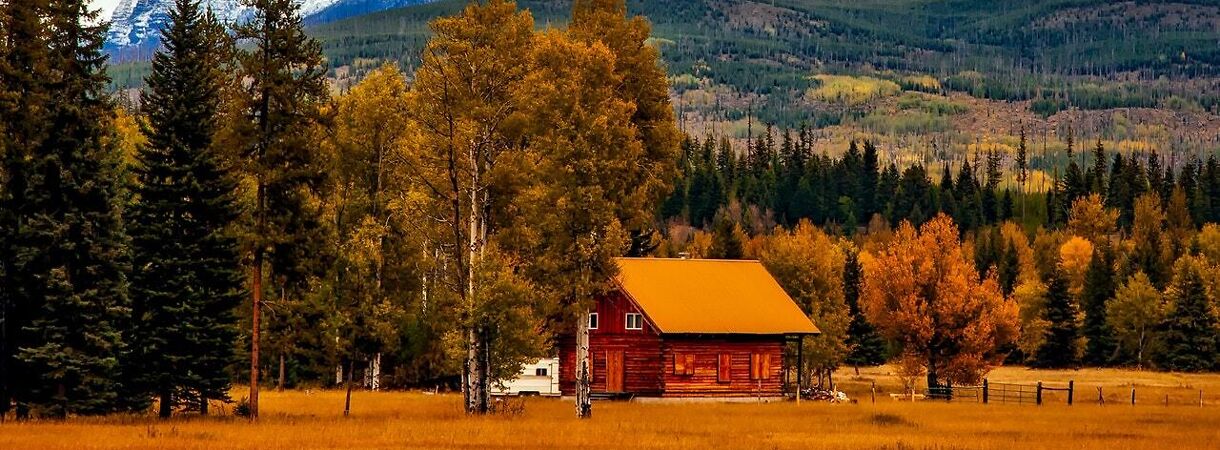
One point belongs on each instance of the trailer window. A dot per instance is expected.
(541, 371)
(635, 321)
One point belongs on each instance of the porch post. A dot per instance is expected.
(800, 362)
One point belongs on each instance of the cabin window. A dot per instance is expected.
(540, 371)
(592, 321)
(635, 321)
(684, 364)
(760, 366)
(723, 369)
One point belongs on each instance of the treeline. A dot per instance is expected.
(243, 223)
(1111, 266)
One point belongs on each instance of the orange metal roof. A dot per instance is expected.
(711, 296)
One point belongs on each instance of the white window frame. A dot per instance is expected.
(639, 318)
(594, 321)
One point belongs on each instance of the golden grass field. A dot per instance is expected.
(297, 420)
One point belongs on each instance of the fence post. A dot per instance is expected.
(874, 392)
(1100, 400)
(1071, 389)
(1200, 398)
(986, 389)
(1166, 399)
(1039, 393)
(1132, 395)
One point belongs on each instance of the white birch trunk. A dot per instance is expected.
(584, 399)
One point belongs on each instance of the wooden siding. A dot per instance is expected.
(641, 350)
(648, 359)
(706, 381)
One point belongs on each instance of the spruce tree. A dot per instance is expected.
(188, 283)
(1060, 347)
(1099, 286)
(69, 252)
(867, 347)
(24, 94)
(1189, 335)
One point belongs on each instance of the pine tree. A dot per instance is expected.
(282, 72)
(1060, 347)
(867, 346)
(1099, 286)
(1009, 268)
(1189, 335)
(69, 252)
(1096, 176)
(188, 283)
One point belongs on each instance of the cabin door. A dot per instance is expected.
(614, 371)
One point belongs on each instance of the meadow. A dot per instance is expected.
(299, 420)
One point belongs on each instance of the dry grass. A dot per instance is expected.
(297, 420)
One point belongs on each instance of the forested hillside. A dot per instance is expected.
(911, 75)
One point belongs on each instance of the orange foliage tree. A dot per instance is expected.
(923, 294)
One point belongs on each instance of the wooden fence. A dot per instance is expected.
(1000, 392)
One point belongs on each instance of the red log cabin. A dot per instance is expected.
(688, 328)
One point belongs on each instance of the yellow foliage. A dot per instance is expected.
(925, 82)
(852, 90)
(1074, 258)
(1090, 219)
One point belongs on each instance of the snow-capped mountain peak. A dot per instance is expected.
(137, 23)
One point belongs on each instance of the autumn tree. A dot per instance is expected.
(1134, 314)
(809, 265)
(638, 83)
(377, 272)
(283, 85)
(465, 92)
(925, 295)
(1090, 219)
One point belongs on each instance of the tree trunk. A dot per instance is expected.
(203, 406)
(256, 287)
(347, 404)
(375, 379)
(584, 398)
(279, 385)
(167, 404)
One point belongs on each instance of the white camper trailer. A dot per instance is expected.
(538, 378)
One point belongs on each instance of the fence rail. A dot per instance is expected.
(1000, 392)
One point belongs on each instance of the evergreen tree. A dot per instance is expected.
(726, 242)
(68, 259)
(188, 283)
(1009, 269)
(1189, 335)
(283, 83)
(1060, 347)
(1096, 176)
(870, 173)
(867, 346)
(24, 97)
(968, 210)
(1099, 287)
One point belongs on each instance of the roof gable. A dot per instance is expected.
(711, 296)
